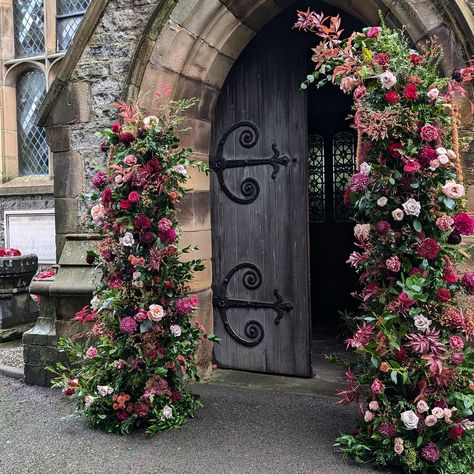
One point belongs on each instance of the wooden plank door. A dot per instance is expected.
(259, 208)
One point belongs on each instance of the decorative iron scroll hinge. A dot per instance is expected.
(252, 280)
(248, 138)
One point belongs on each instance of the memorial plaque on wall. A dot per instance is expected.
(32, 232)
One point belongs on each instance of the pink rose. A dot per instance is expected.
(431, 420)
(453, 190)
(438, 412)
(130, 160)
(368, 416)
(429, 133)
(373, 405)
(373, 32)
(411, 167)
(422, 406)
(98, 212)
(156, 313)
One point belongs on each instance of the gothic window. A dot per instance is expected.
(32, 148)
(69, 14)
(343, 155)
(29, 28)
(316, 178)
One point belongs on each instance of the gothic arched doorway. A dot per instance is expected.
(279, 230)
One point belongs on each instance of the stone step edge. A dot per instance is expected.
(11, 372)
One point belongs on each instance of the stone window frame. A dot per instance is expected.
(11, 68)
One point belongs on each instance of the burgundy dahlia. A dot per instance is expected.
(428, 249)
(430, 452)
(127, 138)
(388, 429)
(382, 227)
(128, 325)
(167, 237)
(359, 182)
(142, 222)
(456, 432)
(468, 282)
(393, 149)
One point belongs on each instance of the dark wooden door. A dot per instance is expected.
(259, 208)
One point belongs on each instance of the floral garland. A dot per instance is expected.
(414, 369)
(132, 370)
(9, 252)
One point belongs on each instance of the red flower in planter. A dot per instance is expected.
(411, 92)
(391, 97)
(125, 204)
(142, 222)
(428, 249)
(116, 127)
(443, 295)
(416, 59)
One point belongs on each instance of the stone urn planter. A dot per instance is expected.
(16, 304)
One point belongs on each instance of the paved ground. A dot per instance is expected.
(11, 354)
(238, 431)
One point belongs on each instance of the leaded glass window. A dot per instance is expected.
(343, 155)
(69, 14)
(316, 178)
(29, 27)
(32, 148)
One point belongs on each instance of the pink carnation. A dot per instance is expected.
(91, 352)
(444, 223)
(164, 224)
(359, 182)
(377, 386)
(393, 264)
(456, 343)
(464, 223)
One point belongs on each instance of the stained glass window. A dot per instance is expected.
(32, 148)
(29, 27)
(343, 155)
(316, 178)
(69, 14)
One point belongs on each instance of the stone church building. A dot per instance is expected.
(268, 221)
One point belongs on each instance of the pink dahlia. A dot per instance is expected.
(464, 223)
(374, 31)
(186, 305)
(142, 222)
(359, 182)
(468, 282)
(430, 452)
(453, 317)
(429, 133)
(128, 325)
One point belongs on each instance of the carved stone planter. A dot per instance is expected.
(16, 305)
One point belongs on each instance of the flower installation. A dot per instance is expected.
(131, 369)
(9, 252)
(414, 374)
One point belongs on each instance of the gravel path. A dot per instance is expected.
(237, 431)
(11, 354)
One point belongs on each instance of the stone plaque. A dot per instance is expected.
(32, 232)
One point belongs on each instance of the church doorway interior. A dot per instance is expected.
(281, 233)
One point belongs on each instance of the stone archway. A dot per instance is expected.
(197, 46)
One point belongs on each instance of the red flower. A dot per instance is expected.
(464, 223)
(116, 127)
(393, 149)
(427, 155)
(411, 167)
(468, 282)
(429, 133)
(142, 222)
(127, 138)
(134, 197)
(456, 432)
(416, 59)
(383, 227)
(106, 196)
(391, 97)
(411, 92)
(168, 236)
(147, 237)
(383, 59)
(405, 300)
(429, 249)
(443, 295)
(125, 204)
(2, 252)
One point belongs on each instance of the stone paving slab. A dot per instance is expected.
(237, 431)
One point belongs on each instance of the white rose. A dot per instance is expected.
(438, 412)
(422, 323)
(433, 93)
(365, 168)
(166, 413)
(382, 202)
(150, 121)
(180, 169)
(88, 400)
(443, 159)
(409, 419)
(94, 304)
(104, 390)
(127, 240)
(451, 154)
(175, 330)
(136, 275)
(448, 413)
(388, 79)
(412, 207)
(156, 312)
(398, 214)
(422, 406)
(441, 151)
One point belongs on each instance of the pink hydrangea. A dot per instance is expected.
(359, 182)
(128, 325)
(393, 264)
(444, 223)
